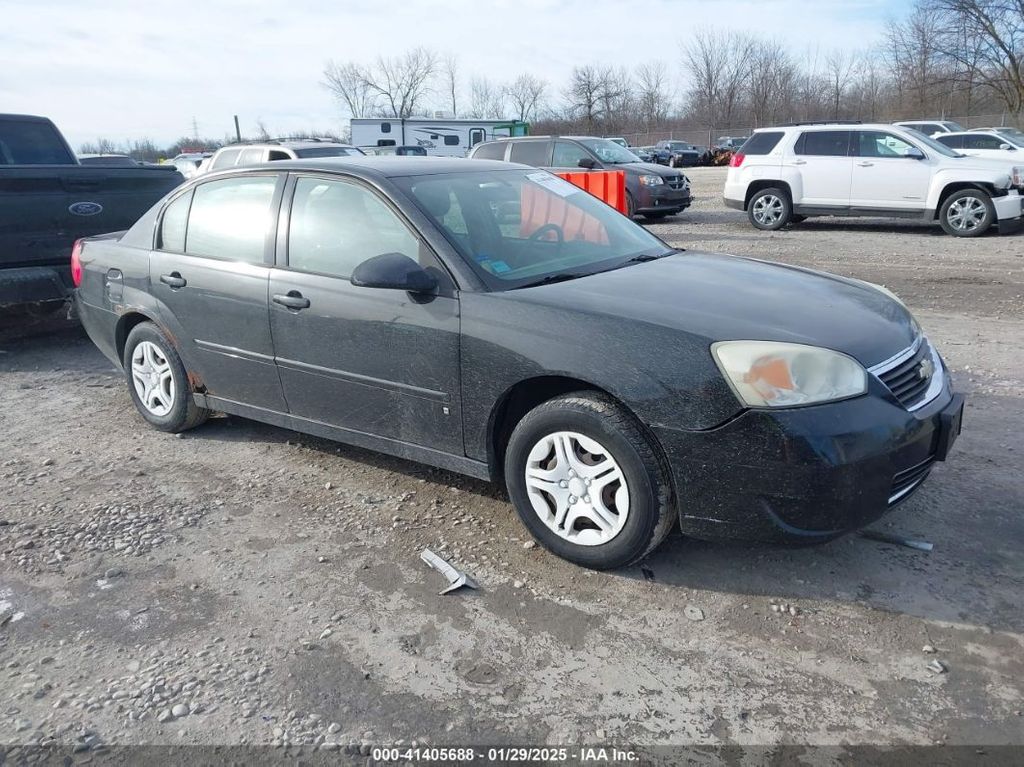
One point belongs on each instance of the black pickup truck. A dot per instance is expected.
(48, 200)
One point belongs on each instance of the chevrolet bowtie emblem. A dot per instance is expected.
(926, 369)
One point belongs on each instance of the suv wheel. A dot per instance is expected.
(769, 209)
(587, 481)
(967, 213)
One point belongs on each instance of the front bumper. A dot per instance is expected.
(663, 199)
(1009, 212)
(807, 474)
(34, 284)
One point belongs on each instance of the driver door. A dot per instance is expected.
(376, 361)
(884, 176)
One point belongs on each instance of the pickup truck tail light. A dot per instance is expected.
(737, 160)
(76, 263)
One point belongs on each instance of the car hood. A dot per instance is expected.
(721, 298)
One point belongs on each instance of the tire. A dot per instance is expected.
(967, 213)
(656, 216)
(769, 209)
(630, 206)
(609, 443)
(171, 407)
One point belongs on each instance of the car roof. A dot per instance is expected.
(297, 144)
(376, 166)
(827, 126)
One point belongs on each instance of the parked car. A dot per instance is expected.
(677, 154)
(395, 151)
(497, 321)
(115, 160)
(782, 175)
(620, 141)
(48, 199)
(189, 163)
(931, 127)
(240, 155)
(1013, 133)
(651, 191)
(645, 153)
(730, 142)
(989, 144)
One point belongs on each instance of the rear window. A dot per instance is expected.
(225, 159)
(825, 143)
(536, 153)
(28, 142)
(493, 151)
(761, 143)
(329, 151)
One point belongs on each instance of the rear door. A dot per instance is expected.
(380, 362)
(821, 160)
(535, 152)
(884, 177)
(210, 271)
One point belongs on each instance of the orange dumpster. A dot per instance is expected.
(609, 186)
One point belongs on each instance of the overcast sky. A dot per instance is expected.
(124, 69)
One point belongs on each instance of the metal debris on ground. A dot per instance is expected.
(456, 578)
(693, 613)
(899, 540)
(937, 667)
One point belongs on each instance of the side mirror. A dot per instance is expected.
(913, 153)
(393, 271)
(1008, 148)
(587, 162)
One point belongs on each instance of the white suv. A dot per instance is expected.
(782, 175)
(990, 144)
(235, 155)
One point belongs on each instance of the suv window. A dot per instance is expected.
(277, 154)
(494, 150)
(172, 225)
(250, 157)
(568, 155)
(881, 144)
(761, 143)
(982, 141)
(225, 159)
(28, 142)
(336, 225)
(824, 143)
(929, 128)
(953, 142)
(230, 218)
(536, 153)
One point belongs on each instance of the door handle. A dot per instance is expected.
(865, 164)
(799, 162)
(173, 280)
(293, 300)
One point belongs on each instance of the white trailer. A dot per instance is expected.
(445, 138)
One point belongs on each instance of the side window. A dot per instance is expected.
(535, 153)
(981, 142)
(493, 151)
(336, 225)
(225, 159)
(883, 145)
(251, 157)
(825, 143)
(230, 218)
(759, 143)
(172, 225)
(930, 128)
(567, 155)
(385, 141)
(277, 154)
(953, 142)
(476, 135)
(451, 140)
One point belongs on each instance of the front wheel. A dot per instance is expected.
(587, 481)
(157, 381)
(630, 205)
(967, 213)
(769, 209)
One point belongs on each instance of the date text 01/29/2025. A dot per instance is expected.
(503, 754)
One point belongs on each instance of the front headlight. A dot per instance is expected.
(651, 180)
(773, 374)
(1017, 176)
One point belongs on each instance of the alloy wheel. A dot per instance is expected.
(966, 214)
(577, 488)
(152, 378)
(768, 209)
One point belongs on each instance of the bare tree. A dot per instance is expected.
(350, 84)
(486, 99)
(719, 64)
(525, 95)
(450, 71)
(839, 65)
(654, 100)
(772, 82)
(583, 94)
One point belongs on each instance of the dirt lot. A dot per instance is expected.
(243, 584)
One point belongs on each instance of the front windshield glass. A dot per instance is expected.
(931, 143)
(329, 151)
(608, 151)
(517, 227)
(1013, 135)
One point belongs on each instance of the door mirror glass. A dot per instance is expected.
(587, 162)
(393, 271)
(913, 153)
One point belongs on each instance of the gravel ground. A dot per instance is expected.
(243, 584)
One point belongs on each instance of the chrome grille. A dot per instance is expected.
(903, 482)
(676, 182)
(911, 374)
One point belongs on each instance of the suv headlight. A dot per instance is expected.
(774, 374)
(651, 180)
(1017, 176)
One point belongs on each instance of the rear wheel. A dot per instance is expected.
(656, 216)
(769, 209)
(157, 381)
(587, 482)
(967, 213)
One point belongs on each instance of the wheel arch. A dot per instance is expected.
(757, 185)
(956, 186)
(130, 320)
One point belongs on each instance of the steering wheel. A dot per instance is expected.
(542, 230)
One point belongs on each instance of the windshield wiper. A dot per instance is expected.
(644, 257)
(560, 277)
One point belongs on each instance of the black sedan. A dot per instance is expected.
(494, 320)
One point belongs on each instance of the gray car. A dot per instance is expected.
(652, 191)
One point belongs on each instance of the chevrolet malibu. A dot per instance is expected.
(494, 320)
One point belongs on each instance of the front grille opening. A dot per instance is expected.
(904, 482)
(910, 379)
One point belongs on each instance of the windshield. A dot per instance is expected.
(518, 227)
(953, 127)
(329, 151)
(931, 143)
(608, 151)
(1013, 135)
